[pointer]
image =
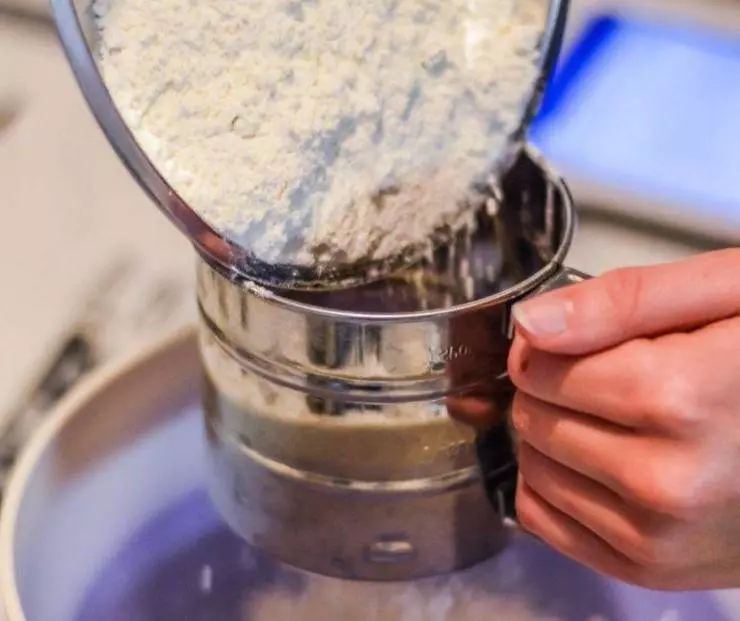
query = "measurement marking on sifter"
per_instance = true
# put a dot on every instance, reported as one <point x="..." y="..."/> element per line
<point x="438" y="358"/>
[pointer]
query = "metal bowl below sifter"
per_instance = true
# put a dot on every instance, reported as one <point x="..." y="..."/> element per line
<point x="106" y="518"/>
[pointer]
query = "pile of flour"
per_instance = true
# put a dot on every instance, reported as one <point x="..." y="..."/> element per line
<point x="313" y="131"/>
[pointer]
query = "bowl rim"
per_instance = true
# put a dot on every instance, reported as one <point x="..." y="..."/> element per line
<point x="11" y="606"/>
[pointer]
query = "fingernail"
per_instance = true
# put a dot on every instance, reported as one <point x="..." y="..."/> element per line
<point x="543" y="317"/>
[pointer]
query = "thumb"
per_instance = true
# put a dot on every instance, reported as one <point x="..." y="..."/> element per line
<point x="631" y="303"/>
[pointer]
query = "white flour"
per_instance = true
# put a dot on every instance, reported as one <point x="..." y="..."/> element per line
<point x="505" y="588"/>
<point x="321" y="130"/>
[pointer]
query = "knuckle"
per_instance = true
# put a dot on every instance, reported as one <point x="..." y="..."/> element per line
<point x="651" y="553"/>
<point x="662" y="489"/>
<point x="673" y="404"/>
<point x="673" y="500"/>
<point x="666" y="397"/>
<point x="645" y="371"/>
<point x="622" y="292"/>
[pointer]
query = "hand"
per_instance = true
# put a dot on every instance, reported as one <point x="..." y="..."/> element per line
<point x="628" y="422"/>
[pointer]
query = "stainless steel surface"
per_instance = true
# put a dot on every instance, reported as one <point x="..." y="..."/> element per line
<point x="327" y="412"/>
<point x="77" y="32"/>
<point x="92" y="434"/>
<point x="106" y="520"/>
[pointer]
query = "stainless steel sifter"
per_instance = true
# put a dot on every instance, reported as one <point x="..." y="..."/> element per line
<point x="237" y="253"/>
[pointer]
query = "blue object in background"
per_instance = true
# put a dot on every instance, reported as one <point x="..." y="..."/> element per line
<point x="651" y="109"/>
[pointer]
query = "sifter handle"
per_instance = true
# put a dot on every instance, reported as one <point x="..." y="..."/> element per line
<point x="495" y="448"/>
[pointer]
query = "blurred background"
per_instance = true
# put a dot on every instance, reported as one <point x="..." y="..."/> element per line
<point x="642" y="120"/>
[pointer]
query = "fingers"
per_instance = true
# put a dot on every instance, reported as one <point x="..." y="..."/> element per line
<point x="640" y="536"/>
<point x="650" y="385"/>
<point x="569" y="537"/>
<point x="586" y="445"/>
<point x="566" y="535"/>
<point x="602" y="385"/>
<point x="633" y="302"/>
<point x="630" y="385"/>
<point x="658" y="474"/>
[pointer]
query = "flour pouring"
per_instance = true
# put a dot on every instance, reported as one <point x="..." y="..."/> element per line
<point x="320" y="142"/>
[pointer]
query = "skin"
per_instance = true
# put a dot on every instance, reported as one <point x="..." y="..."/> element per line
<point x="628" y="421"/>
